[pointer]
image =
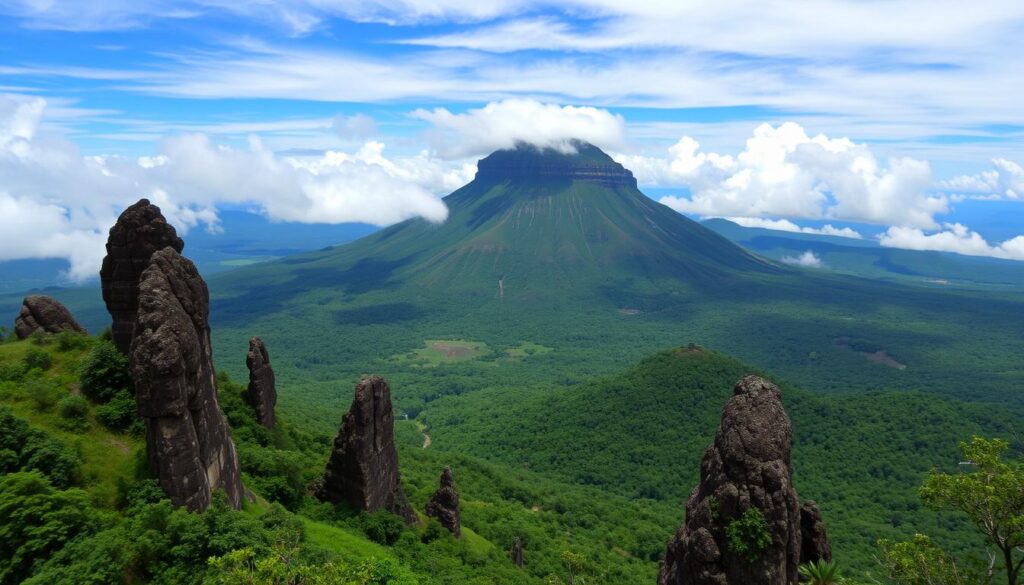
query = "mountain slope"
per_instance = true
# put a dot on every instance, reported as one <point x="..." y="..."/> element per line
<point x="541" y="220"/>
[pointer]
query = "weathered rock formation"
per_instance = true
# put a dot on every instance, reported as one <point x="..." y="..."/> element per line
<point x="748" y="466"/>
<point x="444" y="505"/>
<point x="363" y="467"/>
<point x="815" y="545"/>
<point x="140" y="231"/>
<point x="44" y="314"/>
<point x="528" y="162"/>
<point x="517" y="552"/>
<point x="262" y="392"/>
<point x="187" y="438"/>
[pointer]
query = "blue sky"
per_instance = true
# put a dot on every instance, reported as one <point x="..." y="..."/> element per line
<point x="898" y="119"/>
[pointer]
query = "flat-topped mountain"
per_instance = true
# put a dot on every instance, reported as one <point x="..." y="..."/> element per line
<point x="533" y="221"/>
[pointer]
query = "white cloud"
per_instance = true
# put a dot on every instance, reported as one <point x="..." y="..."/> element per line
<point x="784" y="172"/>
<point x="57" y="203"/>
<point x="503" y="124"/>
<point x="1004" y="181"/>
<point x="953" y="237"/>
<point x="807" y="260"/>
<point x="357" y="126"/>
<point x="784" y="225"/>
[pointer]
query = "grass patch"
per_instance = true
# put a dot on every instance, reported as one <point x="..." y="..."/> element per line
<point x="525" y="350"/>
<point x="437" y="352"/>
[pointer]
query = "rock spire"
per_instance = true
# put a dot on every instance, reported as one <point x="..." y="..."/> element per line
<point x="261" y="394"/>
<point x="187" y="438"/>
<point x="140" y="231"/>
<point x="363" y="468"/>
<point x="746" y="478"/>
<point x="444" y="505"/>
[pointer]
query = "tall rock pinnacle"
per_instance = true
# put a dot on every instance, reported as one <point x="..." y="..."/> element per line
<point x="363" y="468"/>
<point x="45" y="314"/>
<point x="262" y="392"/>
<point x="747" y="468"/>
<point x="140" y="231"/>
<point x="444" y="505"/>
<point x="187" y="438"/>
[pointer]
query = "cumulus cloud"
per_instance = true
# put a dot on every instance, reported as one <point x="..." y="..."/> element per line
<point x="58" y="203"/>
<point x="807" y="260"/>
<point x="504" y="124"/>
<point x="784" y="225"/>
<point x="1004" y="181"/>
<point x="783" y="172"/>
<point x="953" y="237"/>
<point x="356" y="126"/>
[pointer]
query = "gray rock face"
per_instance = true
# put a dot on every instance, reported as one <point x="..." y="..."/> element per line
<point x="444" y="505"/>
<point x="815" y="545"/>
<point x="363" y="468"/>
<point x="517" y="552"/>
<point x="44" y="314"/>
<point x="261" y="394"/>
<point x="187" y="438"/>
<point x="747" y="466"/>
<point x="140" y="231"/>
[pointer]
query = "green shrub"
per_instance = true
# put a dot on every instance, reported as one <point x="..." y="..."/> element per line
<point x="43" y="393"/>
<point x="74" y="410"/>
<point x="120" y="414"/>
<point x="382" y="527"/>
<point x="68" y="340"/>
<point x="105" y="373"/>
<point x="748" y="535"/>
<point x="37" y="358"/>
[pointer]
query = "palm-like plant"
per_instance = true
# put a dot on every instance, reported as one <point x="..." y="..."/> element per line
<point x="821" y="572"/>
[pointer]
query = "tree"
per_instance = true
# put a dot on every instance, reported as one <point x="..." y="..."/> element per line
<point x="37" y="520"/>
<point x="821" y="573"/>
<point x="992" y="496"/>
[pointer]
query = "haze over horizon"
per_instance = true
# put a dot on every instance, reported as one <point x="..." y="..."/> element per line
<point x="897" y="121"/>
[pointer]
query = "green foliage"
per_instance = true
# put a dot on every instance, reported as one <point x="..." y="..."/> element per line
<point x="37" y="520"/>
<point x="920" y="561"/>
<point x="120" y="414"/>
<point x="991" y="496"/>
<point x="382" y="527"/>
<point x="74" y="410"/>
<point x="821" y="572"/>
<point x="37" y="358"/>
<point x="748" y="536"/>
<point x="28" y="449"/>
<point x="285" y="567"/>
<point x="105" y="374"/>
<point x="68" y="340"/>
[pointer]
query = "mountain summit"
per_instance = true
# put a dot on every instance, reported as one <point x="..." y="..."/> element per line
<point x="536" y="223"/>
<point x="530" y="163"/>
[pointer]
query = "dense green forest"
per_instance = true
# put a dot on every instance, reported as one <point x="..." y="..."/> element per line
<point x="592" y="477"/>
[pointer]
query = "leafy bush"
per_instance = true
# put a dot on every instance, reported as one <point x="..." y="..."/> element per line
<point x="43" y="393"/>
<point x="68" y="340"/>
<point x="120" y="414"/>
<point x="34" y="450"/>
<point x="105" y="374"/>
<point x="74" y="409"/>
<point x="748" y="535"/>
<point x="37" y="358"/>
<point x="36" y="520"/>
<point x="382" y="527"/>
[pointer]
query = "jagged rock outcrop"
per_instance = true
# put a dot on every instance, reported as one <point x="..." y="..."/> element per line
<point x="44" y="314"/>
<point x="363" y="467"/>
<point x="140" y="231"/>
<point x="748" y="466"/>
<point x="187" y="438"/>
<point x="814" y="543"/>
<point x="444" y="505"/>
<point x="517" y="551"/>
<point x="261" y="394"/>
